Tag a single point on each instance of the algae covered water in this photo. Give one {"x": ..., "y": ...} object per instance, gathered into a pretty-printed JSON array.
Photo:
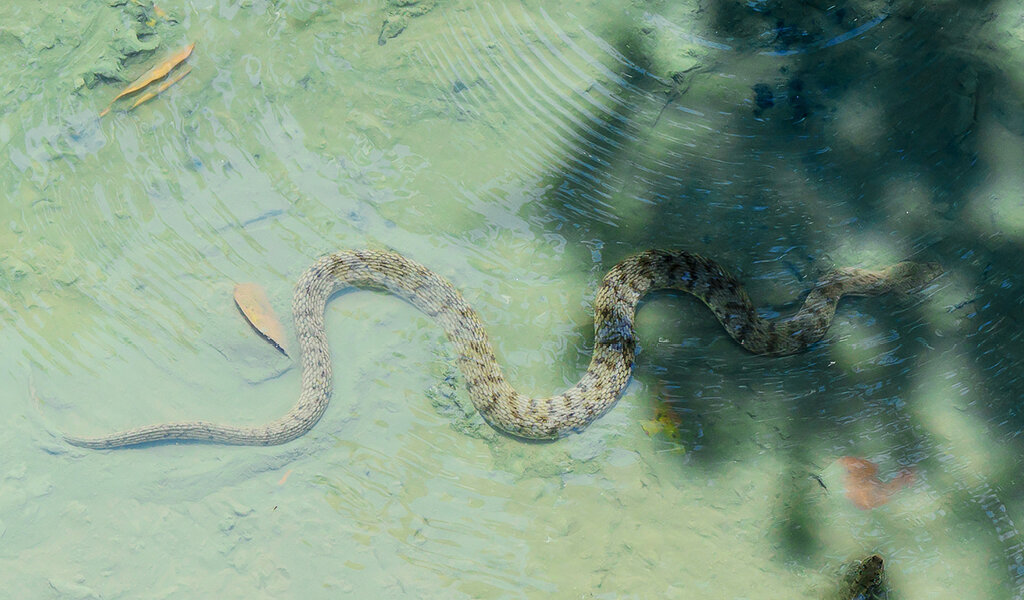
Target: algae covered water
[{"x": 520, "y": 149}]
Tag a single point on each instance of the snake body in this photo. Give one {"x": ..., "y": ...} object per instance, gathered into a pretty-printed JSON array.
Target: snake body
[{"x": 501, "y": 405}]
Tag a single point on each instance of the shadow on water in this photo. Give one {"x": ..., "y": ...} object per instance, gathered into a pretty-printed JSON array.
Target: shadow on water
[{"x": 883, "y": 142}]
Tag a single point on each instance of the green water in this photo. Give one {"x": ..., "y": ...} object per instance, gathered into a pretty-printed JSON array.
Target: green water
[{"x": 520, "y": 149}]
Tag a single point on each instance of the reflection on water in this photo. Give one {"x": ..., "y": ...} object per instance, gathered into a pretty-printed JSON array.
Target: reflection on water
[{"x": 520, "y": 150}]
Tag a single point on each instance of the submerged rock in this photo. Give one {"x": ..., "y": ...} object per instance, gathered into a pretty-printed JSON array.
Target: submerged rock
[
  {"x": 864, "y": 580},
  {"x": 393, "y": 25},
  {"x": 398, "y": 15}
]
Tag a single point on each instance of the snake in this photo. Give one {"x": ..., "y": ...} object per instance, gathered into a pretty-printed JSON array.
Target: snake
[{"x": 614, "y": 346}]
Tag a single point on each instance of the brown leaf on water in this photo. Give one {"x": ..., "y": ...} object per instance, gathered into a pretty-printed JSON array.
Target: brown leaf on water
[
  {"x": 864, "y": 488},
  {"x": 253, "y": 302},
  {"x": 163, "y": 86},
  {"x": 153, "y": 74}
]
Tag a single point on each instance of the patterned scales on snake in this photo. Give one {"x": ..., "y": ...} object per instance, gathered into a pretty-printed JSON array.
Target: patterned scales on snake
[{"x": 493, "y": 396}]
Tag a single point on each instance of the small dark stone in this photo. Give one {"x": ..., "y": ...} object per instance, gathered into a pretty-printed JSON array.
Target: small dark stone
[{"x": 763, "y": 96}]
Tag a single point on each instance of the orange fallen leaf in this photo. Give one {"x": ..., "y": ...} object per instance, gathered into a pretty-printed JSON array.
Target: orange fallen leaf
[
  {"x": 864, "y": 488},
  {"x": 152, "y": 75},
  {"x": 285, "y": 478},
  {"x": 163, "y": 86},
  {"x": 253, "y": 302}
]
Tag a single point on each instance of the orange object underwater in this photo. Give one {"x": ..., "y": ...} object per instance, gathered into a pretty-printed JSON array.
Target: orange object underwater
[{"x": 865, "y": 489}]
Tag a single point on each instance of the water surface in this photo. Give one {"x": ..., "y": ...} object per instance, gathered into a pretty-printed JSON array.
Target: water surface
[{"x": 520, "y": 149}]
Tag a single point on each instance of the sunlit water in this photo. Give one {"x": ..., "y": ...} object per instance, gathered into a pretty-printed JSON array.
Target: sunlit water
[{"x": 520, "y": 149}]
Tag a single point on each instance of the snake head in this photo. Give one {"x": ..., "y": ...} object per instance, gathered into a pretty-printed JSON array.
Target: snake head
[{"x": 913, "y": 276}]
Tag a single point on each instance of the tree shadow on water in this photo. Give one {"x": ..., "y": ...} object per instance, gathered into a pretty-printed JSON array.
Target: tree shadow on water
[{"x": 822, "y": 126}]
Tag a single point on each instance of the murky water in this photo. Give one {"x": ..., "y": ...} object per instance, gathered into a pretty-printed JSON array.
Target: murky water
[{"x": 520, "y": 149}]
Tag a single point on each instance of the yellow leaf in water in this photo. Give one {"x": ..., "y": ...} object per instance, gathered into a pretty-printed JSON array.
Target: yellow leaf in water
[
  {"x": 666, "y": 424},
  {"x": 670, "y": 421},
  {"x": 153, "y": 74},
  {"x": 163, "y": 86},
  {"x": 651, "y": 427},
  {"x": 253, "y": 302}
]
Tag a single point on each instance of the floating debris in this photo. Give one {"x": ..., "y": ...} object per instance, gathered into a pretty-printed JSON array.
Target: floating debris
[
  {"x": 163, "y": 86},
  {"x": 667, "y": 423},
  {"x": 157, "y": 72},
  {"x": 864, "y": 488},
  {"x": 252, "y": 301}
]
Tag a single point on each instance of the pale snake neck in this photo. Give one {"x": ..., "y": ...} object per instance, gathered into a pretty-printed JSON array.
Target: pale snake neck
[{"x": 493, "y": 396}]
